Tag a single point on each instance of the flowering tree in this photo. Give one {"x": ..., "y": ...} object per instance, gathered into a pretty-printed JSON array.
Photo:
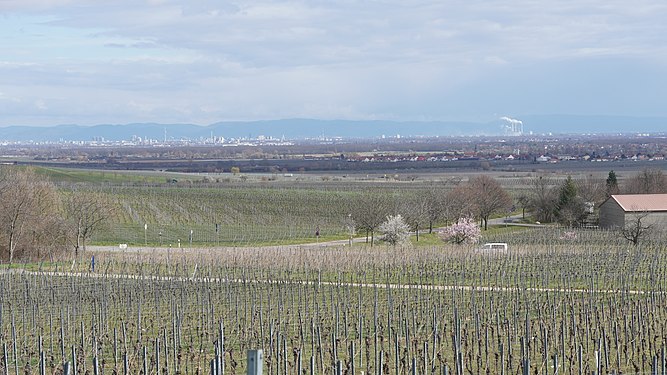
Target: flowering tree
[
  {"x": 395, "y": 230},
  {"x": 465, "y": 230}
]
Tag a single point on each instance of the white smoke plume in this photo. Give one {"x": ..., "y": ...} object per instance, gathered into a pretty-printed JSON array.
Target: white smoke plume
[
  {"x": 512, "y": 126},
  {"x": 512, "y": 121}
]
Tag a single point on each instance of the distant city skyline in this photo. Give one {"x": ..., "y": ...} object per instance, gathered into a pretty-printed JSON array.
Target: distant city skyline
[{"x": 80, "y": 62}]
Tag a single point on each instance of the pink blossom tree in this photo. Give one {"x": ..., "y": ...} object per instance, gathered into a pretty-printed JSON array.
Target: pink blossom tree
[{"x": 465, "y": 230}]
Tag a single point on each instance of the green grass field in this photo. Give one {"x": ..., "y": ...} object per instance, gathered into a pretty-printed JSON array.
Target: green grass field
[{"x": 70, "y": 175}]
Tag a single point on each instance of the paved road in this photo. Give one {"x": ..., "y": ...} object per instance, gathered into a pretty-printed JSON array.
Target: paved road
[
  {"x": 152, "y": 249},
  {"x": 512, "y": 221}
]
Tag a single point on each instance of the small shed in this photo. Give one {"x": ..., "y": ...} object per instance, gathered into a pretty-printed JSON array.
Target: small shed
[{"x": 617, "y": 209}]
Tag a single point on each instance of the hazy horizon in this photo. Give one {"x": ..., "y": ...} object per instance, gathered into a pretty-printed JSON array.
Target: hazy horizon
[{"x": 161, "y": 61}]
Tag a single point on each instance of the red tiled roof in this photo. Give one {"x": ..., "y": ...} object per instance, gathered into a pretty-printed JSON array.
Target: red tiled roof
[{"x": 641, "y": 202}]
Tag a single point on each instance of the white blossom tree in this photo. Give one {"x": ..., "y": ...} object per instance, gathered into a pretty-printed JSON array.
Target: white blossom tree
[{"x": 394, "y": 230}]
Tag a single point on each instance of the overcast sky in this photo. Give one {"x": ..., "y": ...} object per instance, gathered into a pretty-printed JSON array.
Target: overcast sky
[{"x": 120, "y": 61}]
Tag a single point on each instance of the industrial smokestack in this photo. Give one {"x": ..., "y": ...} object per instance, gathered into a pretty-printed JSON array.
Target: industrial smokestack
[{"x": 513, "y": 126}]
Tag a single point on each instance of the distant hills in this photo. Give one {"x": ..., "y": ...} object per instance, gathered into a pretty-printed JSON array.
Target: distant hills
[{"x": 310, "y": 128}]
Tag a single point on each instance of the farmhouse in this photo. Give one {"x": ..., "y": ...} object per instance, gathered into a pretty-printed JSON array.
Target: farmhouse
[{"x": 616, "y": 210}]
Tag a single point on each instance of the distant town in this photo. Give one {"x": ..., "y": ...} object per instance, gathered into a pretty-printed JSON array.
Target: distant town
[{"x": 218, "y": 153}]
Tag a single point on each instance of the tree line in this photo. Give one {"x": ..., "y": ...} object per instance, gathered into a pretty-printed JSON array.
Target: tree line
[
  {"x": 446, "y": 201},
  {"x": 569, "y": 203},
  {"x": 573, "y": 200},
  {"x": 37, "y": 222}
]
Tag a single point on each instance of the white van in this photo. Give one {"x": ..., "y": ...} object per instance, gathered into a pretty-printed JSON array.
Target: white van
[{"x": 494, "y": 247}]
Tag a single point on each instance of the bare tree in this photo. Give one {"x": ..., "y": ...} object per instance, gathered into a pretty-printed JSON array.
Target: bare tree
[
  {"x": 591, "y": 189},
  {"x": 459, "y": 204},
  {"x": 49, "y": 237},
  {"x": 28, "y": 207},
  {"x": 438, "y": 205},
  {"x": 543, "y": 199},
  {"x": 435, "y": 206},
  {"x": 572, "y": 212},
  {"x": 636, "y": 228},
  {"x": 369, "y": 211},
  {"x": 524, "y": 202},
  {"x": 85, "y": 212},
  {"x": 488, "y": 198},
  {"x": 648, "y": 181},
  {"x": 416, "y": 213}
]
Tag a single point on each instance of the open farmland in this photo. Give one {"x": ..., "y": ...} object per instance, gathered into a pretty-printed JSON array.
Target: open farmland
[
  {"x": 550, "y": 308},
  {"x": 560, "y": 301},
  {"x": 252, "y": 211}
]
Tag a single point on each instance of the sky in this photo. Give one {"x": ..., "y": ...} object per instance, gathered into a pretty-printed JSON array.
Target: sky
[{"x": 125, "y": 61}]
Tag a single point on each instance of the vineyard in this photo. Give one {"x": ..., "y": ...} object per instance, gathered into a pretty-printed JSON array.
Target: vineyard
[
  {"x": 225, "y": 216},
  {"x": 196, "y": 288},
  {"x": 243, "y": 214},
  {"x": 542, "y": 309}
]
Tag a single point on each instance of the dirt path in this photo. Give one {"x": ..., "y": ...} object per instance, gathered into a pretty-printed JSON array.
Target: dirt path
[
  {"x": 357, "y": 240},
  {"x": 195, "y": 279}
]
